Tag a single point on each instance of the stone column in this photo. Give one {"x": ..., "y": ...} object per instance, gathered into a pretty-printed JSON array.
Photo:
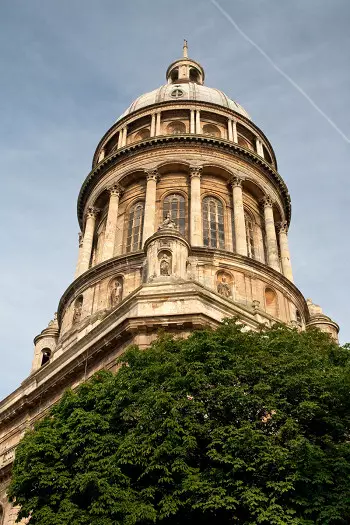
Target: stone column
[
  {"x": 271, "y": 240},
  {"x": 238, "y": 216},
  {"x": 153, "y": 125},
  {"x": 124, "y": 136},
  {"x": 229, "y": 129},
  {"x": 88, "y": 239},
  {"x": 150, "y": 205},
  {"x": 284, "y": 248},
  {"x": 158, "y": 119},
  {"x": 192, "y": 122},
  {"x": 198, "y": 122},
  {"x": 234, "y": 131},
  {"x": 196, "y": 206},
  {"x": 111, "y": 223},
  {"x": 77, "y": 269}
]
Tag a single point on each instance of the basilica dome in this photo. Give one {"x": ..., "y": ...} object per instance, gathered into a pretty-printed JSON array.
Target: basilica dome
[{"x": 189, "y": 91}]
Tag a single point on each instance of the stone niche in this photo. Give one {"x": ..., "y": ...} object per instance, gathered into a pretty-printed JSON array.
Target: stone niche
[{"x": 167, "y": 253}]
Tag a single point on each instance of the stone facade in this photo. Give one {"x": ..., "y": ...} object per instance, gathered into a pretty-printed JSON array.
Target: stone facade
[{"x": 184, "y": 222}]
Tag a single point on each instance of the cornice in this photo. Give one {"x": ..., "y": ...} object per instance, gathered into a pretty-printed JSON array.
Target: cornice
[
  {"x": 169, "y": 104},
  {"x": 174, "y": 140}
]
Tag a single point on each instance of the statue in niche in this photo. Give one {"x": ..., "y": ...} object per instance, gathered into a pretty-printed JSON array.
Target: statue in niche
[
  {"x": 224, "y": 287},
  {"x": 78, "y": 308},
  {"x": 165, "y": 265},
  {"x": 115, "y": 292}
]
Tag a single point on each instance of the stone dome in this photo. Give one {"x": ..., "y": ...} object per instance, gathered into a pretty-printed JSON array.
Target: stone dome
[{"x": 185, "y": 91}]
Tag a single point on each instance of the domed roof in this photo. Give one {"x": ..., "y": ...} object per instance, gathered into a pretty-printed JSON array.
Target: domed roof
[{"x": 185, "y": 91}]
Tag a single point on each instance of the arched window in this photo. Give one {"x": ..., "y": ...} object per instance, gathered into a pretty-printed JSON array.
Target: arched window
[
  {"x": 298, "y": 317},
  {"x": 174, "y": 206},
  {"x": 194, "y": 75},
  {"x": 174, "y": 75},
  {"x": 271, "y": 302},
  {"x": 249, "y": 229},
  {"x": 176, "y": 127},
  {"x": 46, "y": 356},
  {"x": 213, "y": 223},
  {"x": 135, "y": 225},
  {"x": 210, "y": 129}
]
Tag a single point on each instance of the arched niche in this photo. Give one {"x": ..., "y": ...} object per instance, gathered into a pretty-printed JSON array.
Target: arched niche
[
  {"x": 45, "y": 358},
  {"x": 143, "y": 134},
  {"x": 78, "y": 309},
  {"x": 165, "y": 262},
  {"x": 271, "y": 302},
  {"x": 211, "y": 130},
  {"x": 176, "y": 127}
]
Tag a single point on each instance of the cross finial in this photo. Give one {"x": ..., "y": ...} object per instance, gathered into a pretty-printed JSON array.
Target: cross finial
[{"x": 185, "y": 49}]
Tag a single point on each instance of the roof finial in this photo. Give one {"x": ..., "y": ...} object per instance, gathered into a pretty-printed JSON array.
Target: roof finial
[{"x": 185, "y": 49}]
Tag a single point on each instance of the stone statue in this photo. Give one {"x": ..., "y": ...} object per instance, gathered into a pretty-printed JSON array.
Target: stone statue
[
  {"x": 165, "y": 265},
  {"x": 224, "y": 288},
  {"x": 168, "y": 223},
  {"x": 78, "y": 308},
  {"x": 115, "y": 294}
]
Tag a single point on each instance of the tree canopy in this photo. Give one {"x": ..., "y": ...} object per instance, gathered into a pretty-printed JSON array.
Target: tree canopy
[{"x": 227, "y": 426}]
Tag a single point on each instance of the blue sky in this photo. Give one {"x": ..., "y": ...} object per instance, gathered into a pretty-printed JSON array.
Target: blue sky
[{"x": 69, "y": 68}]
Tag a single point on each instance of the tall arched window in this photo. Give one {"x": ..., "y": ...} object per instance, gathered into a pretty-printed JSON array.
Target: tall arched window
[
  {"x": 249, "y": 229},
  {"x": 135, "y": 225},
  {"x": 174, "y": 205},
  {"x": 213, "y": 223}
]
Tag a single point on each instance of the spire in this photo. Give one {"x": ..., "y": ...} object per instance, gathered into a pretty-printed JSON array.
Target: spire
[{"x": 185, "y": 49}]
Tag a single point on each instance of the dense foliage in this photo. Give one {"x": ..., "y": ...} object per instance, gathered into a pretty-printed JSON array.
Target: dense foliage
[{"x": 225, "y": 427}]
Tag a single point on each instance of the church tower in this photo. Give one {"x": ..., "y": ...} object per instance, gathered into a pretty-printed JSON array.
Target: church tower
[{"x": 184, "y": 221}]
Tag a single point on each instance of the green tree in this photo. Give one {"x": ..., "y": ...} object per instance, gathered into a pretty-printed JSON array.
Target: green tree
[{"x": 225, "y": 427}]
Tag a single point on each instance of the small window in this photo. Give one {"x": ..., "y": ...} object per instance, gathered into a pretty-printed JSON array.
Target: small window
[
  {"x": 249, "y": 229},
  {"x": 271, "y": 302},
  {"x": 177, "y": 93},
  {"x": 176, "y": 128},
  {"x": 46, "y": 356},
  {"x": 135, "y": 226},
  {"x": 174, "y": 206},
  {"x": 213, "y": 223},
  {"x": 211, "y": 130}
]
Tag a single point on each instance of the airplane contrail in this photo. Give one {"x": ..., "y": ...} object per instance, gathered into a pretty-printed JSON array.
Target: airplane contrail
[{"x": 280, "y": 71}]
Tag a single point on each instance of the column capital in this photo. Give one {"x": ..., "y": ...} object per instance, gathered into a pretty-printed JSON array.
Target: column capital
[
  {"x": 195, "y": 171},
  {"x": 92, "y": 212},
  {"x": 116, "y": 189},
  {"x": 282, "y": 227},
  {"x": 236, "y": 181},
  {"x": 267, "y": 201},
  {"x": 152, "y": 174}
]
